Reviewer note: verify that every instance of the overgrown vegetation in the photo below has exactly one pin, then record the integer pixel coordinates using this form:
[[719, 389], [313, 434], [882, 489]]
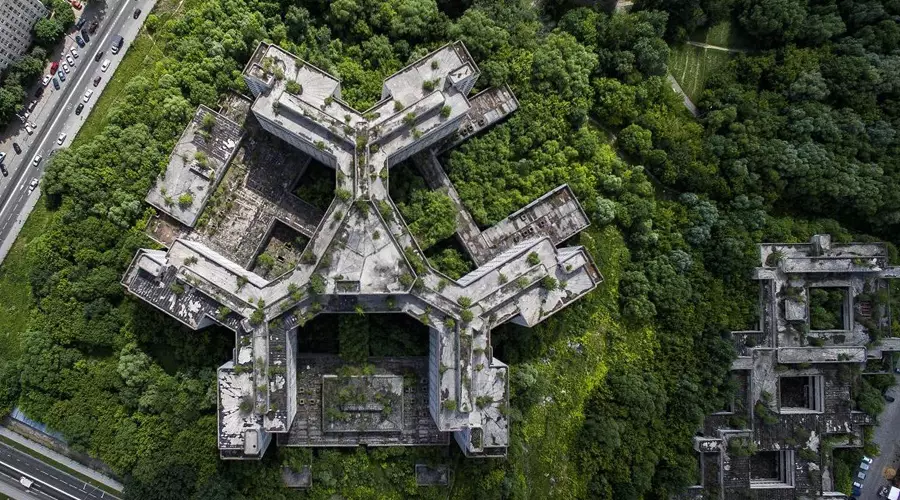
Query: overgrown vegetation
[[623, 377]]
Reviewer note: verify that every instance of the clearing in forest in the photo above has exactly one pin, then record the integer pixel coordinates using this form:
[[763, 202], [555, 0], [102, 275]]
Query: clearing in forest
[[691, 65]]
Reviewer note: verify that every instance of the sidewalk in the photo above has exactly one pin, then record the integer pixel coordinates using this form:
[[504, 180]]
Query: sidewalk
[[68, 462]]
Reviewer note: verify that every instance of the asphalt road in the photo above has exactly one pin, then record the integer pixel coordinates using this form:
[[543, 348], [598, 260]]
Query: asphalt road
[[58, 115], [49, 482], [887, 437]]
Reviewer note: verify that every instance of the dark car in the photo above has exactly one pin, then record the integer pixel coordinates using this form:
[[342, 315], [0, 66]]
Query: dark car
[[39, 92], [84, 34], [79, 108], [80, 23], [55, 84], [137, 12], [889, 399], [16, 148], [79, 41], [61, 75], [3, 169], [97, 80], [98, 56], [94, 26]]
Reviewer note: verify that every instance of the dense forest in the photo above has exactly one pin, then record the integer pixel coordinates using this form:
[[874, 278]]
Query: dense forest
[[607, 394]]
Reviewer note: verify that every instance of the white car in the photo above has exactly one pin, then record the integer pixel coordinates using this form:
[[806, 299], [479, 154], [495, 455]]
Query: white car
[[34, 183], [66, 67], [46, 80], [29, 129], [867, 460], [88, 94], [61, 138], [105, 65], [74, 52], [70, 60], [2, 156], [36, 161]]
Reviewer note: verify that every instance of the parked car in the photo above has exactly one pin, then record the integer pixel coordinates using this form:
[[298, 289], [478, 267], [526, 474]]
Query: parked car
[[34, 184], [889, 399], [98, 56], [105, 65], [79, 41], [94, 26], [88, 94], [17, 148], [79, 108], [97, 80], [36, 160], [3, 169], [861, 475], [76, 4], [62, 138], [54, 67], [66, 68], [137, 13], [2, 156], [864, 466], [46, 80], [61, 75], [39, 92], [69, 60], [29, 129], [55, 84], [73, 52], [31, 105], [867, 460], [84, 36], [80, 23]]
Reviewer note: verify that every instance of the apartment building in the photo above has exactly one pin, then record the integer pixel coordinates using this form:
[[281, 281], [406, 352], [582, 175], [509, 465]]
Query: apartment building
[[17, 17]]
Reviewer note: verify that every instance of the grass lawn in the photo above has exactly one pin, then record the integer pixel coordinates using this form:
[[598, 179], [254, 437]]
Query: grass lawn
[[15, 289], [691, 66]]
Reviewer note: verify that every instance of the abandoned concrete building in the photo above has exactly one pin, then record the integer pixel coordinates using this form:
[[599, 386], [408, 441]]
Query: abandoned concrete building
[[215, 215], [824, 322]]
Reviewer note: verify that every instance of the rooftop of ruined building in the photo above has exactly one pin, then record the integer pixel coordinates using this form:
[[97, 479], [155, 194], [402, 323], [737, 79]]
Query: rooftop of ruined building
[[197, 162], [205, 275]]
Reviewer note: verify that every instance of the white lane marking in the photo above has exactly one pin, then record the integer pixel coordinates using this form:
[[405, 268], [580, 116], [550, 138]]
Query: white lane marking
[[67, 99]]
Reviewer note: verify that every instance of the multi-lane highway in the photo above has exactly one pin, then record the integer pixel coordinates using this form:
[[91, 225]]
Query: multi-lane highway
[[47, 481], [16, 199]]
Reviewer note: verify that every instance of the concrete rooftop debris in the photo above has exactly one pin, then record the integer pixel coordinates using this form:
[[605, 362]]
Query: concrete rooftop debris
[[824, 320], [356, 256]]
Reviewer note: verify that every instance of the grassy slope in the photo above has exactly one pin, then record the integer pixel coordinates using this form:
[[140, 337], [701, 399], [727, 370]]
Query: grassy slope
[[550, 430], [691, 65], [15, 290]]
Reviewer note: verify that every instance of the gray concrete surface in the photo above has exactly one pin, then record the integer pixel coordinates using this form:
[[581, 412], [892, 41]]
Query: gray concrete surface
[[887, 437], [55, 113]]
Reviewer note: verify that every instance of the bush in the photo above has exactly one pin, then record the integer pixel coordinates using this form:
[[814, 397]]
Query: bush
[[293, 87]]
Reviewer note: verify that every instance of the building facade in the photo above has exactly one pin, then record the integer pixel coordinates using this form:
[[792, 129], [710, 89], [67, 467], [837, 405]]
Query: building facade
[[17, 17]]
